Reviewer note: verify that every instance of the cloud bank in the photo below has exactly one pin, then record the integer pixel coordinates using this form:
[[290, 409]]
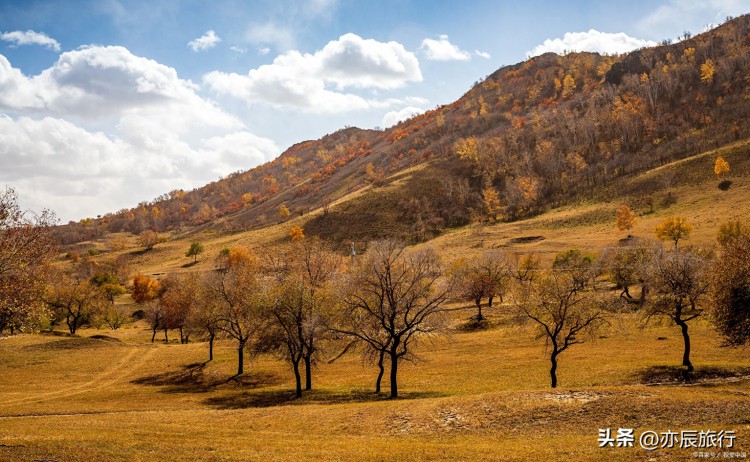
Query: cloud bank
[[103, 129], [593, 40], [317, 82]]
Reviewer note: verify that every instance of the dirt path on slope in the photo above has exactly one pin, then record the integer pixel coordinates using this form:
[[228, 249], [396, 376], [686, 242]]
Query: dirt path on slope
[[120, 370]]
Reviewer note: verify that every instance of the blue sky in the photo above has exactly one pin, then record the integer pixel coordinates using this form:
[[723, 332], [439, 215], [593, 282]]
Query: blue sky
[[106, 103]]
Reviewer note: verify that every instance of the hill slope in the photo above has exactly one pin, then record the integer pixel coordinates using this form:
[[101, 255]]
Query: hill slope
[[540, 133]]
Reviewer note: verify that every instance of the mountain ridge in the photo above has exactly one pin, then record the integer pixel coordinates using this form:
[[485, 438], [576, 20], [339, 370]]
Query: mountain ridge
[[535, 132]]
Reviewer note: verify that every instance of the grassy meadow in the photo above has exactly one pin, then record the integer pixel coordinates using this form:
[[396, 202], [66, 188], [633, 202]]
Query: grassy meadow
[[112, 395], [474, 395]]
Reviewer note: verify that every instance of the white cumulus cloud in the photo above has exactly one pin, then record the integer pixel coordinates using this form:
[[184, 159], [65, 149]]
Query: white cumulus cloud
[[316, 82], [95, 82], [394, 117], [103, 129], [483, 54], [593, 40], [204, 42], [443, 50], [30, 38]]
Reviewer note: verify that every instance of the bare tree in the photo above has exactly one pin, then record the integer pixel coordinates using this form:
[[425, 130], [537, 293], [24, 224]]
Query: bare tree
[[286, 334], [396, 299], [148, 239], [318, 266], [302, 302], [579, 265], [730, 289], [485, 277], [237, 291], [76, 301], [115, 316], [205, 321], [523, 267], [626, 265], [680, 283], [561, 310], [179, 299]]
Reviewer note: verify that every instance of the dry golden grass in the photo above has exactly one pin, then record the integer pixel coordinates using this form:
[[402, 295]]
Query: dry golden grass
[[480, 395], [475, 395]]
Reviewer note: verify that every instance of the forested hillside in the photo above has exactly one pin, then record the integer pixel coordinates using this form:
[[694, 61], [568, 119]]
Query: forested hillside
[[531, 135]]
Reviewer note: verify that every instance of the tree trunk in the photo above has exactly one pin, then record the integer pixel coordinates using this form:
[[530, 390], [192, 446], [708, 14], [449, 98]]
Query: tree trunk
[[478, 302], [308, 373], [381, 371], [644, 293], [211, 346], [489, 301], [153, 335], [686, 338], [241, 359], [166, 336], [553, 369], [297, 379], [394, 373]]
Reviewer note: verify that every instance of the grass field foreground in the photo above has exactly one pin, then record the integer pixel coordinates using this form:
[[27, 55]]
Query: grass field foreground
[[475, 395]]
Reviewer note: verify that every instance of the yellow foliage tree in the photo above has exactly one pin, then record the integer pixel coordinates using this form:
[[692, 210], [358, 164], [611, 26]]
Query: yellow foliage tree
[[483, 107], [238, 255], [674, 229], [296, 233], [568, 86], [145, 288], [625, 218], [529, 189], [284, 212], [440, 119], [247, 199], [466, 148], [707, 72], [373, 176], [690, 54], [287, 162], [721, 167], [491, 203]]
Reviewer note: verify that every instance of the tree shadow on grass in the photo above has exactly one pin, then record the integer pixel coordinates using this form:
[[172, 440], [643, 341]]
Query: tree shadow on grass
[[269, 398], [193, 379], [70, 343], [702, 375], [473, 325], [498, 319], [725, 185]]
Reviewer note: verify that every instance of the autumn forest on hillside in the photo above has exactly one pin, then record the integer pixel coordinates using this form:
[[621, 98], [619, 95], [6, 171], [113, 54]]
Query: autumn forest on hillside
[[538, 134]]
